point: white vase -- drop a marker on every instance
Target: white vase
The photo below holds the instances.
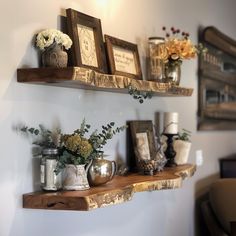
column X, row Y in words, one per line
column 182, row 149
column 75, row 178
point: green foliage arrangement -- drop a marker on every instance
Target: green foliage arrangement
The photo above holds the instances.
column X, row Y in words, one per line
column 138, row 95
column 45, row 138
column 184, row 135
column 78, row 147
column 83, row 147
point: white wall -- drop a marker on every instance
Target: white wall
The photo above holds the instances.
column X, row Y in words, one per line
column 161, row 213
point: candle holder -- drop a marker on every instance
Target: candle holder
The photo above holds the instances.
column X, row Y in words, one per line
column 170, row 152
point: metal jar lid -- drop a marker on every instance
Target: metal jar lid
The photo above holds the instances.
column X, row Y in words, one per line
column 156, row 40
column 50, row 151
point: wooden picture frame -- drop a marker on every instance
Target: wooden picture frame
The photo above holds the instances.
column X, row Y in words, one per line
column 123, row 57
column 88, row 48
column 140, row 129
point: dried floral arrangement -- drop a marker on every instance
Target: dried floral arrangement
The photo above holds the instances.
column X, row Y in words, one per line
column 177, row 47
column 78, row 147
column 43, row 137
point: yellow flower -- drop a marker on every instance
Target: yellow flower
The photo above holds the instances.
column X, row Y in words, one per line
column 176, row 49
column 72, row 142
column 84, row 148
column 188, row 50
column 78, row 145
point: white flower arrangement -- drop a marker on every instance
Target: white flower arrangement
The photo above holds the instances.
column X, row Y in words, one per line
column 47, row 37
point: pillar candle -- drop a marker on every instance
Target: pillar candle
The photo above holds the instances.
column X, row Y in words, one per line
column 171, row 122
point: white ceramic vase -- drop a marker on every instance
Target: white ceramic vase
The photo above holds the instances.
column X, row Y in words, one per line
column 182, row 149
column 75, row 178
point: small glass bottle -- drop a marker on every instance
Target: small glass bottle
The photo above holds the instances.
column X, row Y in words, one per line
column 156, row 65
column 49, row 180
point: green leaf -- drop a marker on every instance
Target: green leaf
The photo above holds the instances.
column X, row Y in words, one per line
column 24, row 129
column 36, row 132
column 31, row 130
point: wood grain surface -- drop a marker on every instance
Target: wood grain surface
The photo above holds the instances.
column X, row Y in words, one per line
column 119, row 190
column 83, row 78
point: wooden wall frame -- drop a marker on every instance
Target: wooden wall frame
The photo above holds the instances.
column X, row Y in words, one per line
column 142, row 126
column 123, row 57
column 217, row 82
column 88, row 48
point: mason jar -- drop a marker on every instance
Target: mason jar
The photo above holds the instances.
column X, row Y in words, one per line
column 156, row 65
column 50, row 181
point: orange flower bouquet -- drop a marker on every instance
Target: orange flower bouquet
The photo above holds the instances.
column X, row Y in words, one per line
column 178, row 46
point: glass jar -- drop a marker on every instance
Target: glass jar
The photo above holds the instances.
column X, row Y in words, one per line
column 156, row 65
column 50, row 181
column 173, row 73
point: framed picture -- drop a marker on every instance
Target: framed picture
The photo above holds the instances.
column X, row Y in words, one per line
column 142, row 136
column 143, row 145
column 88, row 47
column 123, row 57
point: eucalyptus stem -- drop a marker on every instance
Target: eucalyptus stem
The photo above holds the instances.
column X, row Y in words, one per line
column 139, row 95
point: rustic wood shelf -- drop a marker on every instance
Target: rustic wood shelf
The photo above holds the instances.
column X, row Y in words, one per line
column 119, row 190
column 83, row 78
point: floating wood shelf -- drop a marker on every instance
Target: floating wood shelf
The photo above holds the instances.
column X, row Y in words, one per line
column 83, row 78
column 119, row 190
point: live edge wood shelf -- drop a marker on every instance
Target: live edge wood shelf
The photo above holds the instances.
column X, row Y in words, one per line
column 83, row 78
column 119, row 190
